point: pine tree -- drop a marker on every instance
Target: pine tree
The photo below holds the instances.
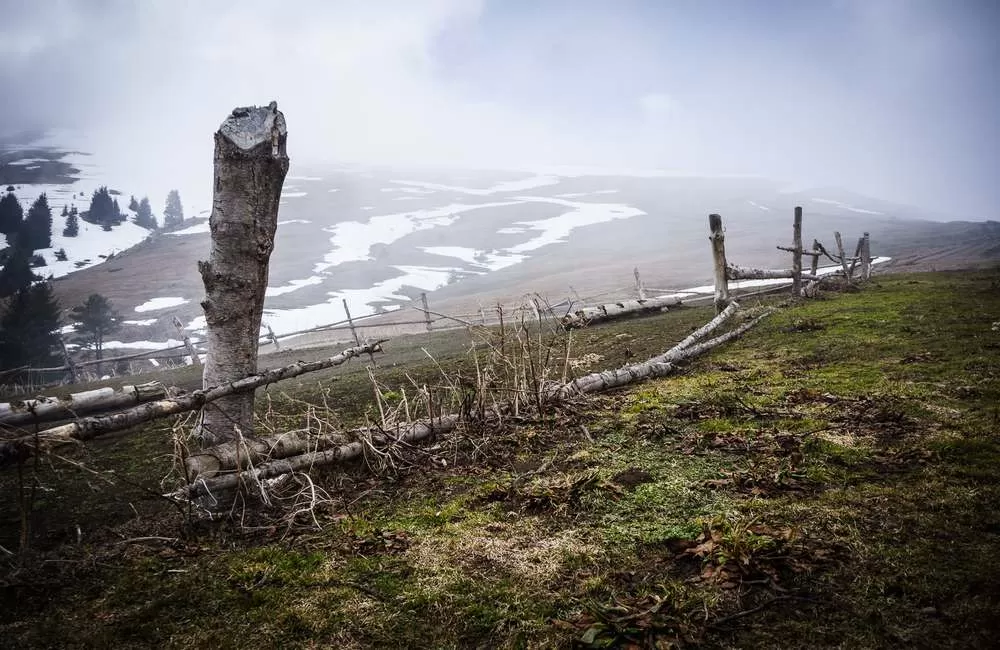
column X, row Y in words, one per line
column 133, row 205
column 94, row 320
column 11, row 214
column 37, row 229
column 102, row 208
column 173, row 213
column 65, row 212
column 72, row 228
column 29, row 329
column 119, row 215
column 16, row 273
column 144, row 215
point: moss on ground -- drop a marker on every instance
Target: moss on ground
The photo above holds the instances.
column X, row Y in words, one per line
column 830, row 480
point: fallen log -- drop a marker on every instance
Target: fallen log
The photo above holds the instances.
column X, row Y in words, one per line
column 92, row 427
column 203, row 486
column 656, row 367
column 47, row 409
column 610, row 311
column 742, row 273
column 207, row 485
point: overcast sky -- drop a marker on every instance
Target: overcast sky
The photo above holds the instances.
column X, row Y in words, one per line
column 899, row 99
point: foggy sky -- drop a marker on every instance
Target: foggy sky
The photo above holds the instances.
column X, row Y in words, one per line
column 898, row 99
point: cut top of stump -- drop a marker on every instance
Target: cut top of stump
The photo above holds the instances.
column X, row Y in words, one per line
column 249, row 126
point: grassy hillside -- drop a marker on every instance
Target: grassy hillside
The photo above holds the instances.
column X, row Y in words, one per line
column 831, row 480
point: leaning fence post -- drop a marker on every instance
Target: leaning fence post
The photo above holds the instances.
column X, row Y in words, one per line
column 250, row 167
column 639, row 288
column 195, row 359
column 718, row 239
column 427, row 312
column 814, row 268
column 797, row 253
column 857, row 254
column 843, row 257
column 350, row 323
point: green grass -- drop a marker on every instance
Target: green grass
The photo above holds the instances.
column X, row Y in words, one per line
column 830, row 480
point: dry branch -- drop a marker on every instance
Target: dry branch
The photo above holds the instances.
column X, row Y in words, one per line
column 47, row 409
column 92, row 427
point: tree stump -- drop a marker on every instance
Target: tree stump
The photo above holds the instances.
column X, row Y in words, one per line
column 250, row 167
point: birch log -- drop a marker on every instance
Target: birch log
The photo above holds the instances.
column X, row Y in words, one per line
column 588, row 315
column 250, row 168
column 92, row 427
column 718, row 239
column 797, row 253
column 226, row 482
column 743, row 273
column 47, row 409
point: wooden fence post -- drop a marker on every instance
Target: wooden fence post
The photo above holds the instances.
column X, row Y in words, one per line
column 857, row 254
column 639, row 288
column 250, row 167
column 350, row 323
column 70, row 366
column 866, row 257
column 814, row 268
column 718, row 239
column 195, row 359
column 270, row 335
column 427, row 313
column 797, row 253
column 843, row 256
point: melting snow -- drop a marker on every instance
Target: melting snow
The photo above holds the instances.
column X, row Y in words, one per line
column 557, row 229
column 292, row 195
column 294, row 285
column 161, row 303
column 196, row 229
column 141, row 323
column 87, row 247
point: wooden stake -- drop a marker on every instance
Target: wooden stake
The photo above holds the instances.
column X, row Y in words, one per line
column 843, row 257
column 866, row 258
column 427, row 312
column 797, row 253
column 70, row 366
column 250, row 167
column 815, row 260
column 270, row 335
column 639, row 288
column 718, row 239
column 350, row 323
column 195, row 359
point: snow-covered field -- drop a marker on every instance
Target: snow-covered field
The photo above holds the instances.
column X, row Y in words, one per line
column 341, row 234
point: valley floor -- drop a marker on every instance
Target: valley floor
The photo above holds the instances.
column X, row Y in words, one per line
column 830, row 480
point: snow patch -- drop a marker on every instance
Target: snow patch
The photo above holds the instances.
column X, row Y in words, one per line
column 161, row 303
column 294, row 285
column 141, row 323
column 196, row 229
column 557, row 229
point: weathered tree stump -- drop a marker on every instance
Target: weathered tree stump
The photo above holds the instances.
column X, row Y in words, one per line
column 718, row 239
column 250, row 167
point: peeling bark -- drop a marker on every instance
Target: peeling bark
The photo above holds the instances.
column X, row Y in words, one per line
column 742, row 273
column 250, row 167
